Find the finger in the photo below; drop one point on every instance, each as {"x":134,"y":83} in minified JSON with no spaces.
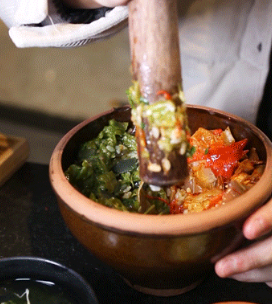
{"x":257,"y":255}
{"x":90,"y":4}
{"x":112,"y":3}
{"x":258,"y":275}
{"x":259,"y":223}
{"x":269,"y":284}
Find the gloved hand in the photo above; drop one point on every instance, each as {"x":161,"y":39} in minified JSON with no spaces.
{"x":38,"y":23}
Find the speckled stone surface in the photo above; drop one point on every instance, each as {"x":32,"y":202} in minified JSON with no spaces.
{"x":31,"y":225}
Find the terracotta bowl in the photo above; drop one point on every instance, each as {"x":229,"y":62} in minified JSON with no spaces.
{"x":161,"y":255}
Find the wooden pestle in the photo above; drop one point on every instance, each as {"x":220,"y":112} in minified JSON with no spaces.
{"x":155,"y":59}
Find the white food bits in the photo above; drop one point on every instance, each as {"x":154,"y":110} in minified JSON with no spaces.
{"x":168,"y":192}
{"x":110,"y":148}
{"x":180,"y":196}
{"x":163,"y":133}
{"x":166,"y":165}
{"x":176,"y":136}
{"x":127,"y":195}
{"x":155,"y":132}
{"x":155,"y":188}
{"x":127,"y":189}
{"x":148,"y":113}
{"x":170,"y":106}
{"x":154,"y":167}
{"x":183,"y":148}
{"x":118,"y":149}
{"x":229,"y":138}
{"x":139,"y":111}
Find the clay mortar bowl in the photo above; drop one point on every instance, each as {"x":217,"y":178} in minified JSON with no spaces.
{"x":167,"y":254}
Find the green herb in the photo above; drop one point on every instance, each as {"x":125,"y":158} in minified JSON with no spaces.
{"x":107,"y":170}
{"x":191,"y":150}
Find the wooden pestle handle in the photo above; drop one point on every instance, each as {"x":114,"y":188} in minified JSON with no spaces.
{"x":153,"y":30}
{"x":155,"y":59}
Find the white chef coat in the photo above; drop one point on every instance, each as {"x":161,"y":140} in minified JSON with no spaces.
{"x":225,"y":45}
{"x":225,"y":51}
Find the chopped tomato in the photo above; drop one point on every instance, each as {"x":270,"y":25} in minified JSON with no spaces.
{"x":198,"y":155}
{"x":216,"y":199}
{"x":217,"y":131}
{"x":224,"y":160}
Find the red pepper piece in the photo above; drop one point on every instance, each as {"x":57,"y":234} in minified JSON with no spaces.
{"x":217,"y":131}
{"x":215,"y":200}
{"x":224,"y":160}
{"x":157,"y":198}
{"x":165,"y":94}
{"x":198,"y":155}
{"x":175,"y":208}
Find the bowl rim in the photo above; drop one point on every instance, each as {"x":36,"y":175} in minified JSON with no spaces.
{"x":165,"y":225}
{"x":43,"y":269}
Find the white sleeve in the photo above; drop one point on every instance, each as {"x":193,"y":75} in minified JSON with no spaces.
{"x":225,"y":52}
{"x":36,"y":23}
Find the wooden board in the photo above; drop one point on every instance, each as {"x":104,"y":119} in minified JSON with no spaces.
{"x":14,"y":151}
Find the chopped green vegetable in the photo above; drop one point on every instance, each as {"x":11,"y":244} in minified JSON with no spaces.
{"x":125,"y":165}
{"x":107,"y":170}
{"x":191,"y":151}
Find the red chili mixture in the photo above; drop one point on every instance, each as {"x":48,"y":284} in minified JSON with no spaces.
{"x":220,"y":169}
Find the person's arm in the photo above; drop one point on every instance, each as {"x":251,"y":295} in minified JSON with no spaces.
{"x":55,"y":23}
{"x":254,"y":263}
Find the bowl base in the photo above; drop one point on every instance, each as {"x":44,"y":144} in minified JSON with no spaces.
{"x":163,"y":292}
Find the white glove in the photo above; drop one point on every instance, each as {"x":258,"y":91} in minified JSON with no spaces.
{"x":23,"y":16}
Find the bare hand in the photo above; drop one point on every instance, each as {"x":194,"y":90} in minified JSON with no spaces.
{"x":85,"y":4}
{"x":254,"y":263}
